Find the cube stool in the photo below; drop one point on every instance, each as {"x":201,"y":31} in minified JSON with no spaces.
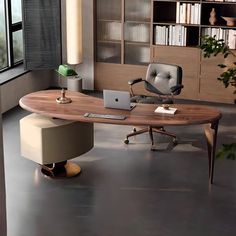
{"x":51,"y":142}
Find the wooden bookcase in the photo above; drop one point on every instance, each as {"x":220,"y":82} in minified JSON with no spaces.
{"x":132,"y":33}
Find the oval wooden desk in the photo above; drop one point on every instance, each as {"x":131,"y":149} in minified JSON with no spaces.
{"x":44,"y":103}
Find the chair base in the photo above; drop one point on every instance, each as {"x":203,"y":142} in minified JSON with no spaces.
{"x":63,"y":169}
{"x":150,"y":130}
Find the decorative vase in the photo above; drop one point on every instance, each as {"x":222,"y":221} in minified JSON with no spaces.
{"x":212,"y":18}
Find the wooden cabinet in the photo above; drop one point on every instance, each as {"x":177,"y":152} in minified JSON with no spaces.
{"x":212,"y":89}
{"x":176,"y":35}
{"x":116,"y":76}
{"x":123,"y":35}
{"x":132,"y":33}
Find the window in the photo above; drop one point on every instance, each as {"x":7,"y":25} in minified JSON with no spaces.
{"x":11,"y":38}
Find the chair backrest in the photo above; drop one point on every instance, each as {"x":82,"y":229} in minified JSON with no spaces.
{"x":162,"y":77}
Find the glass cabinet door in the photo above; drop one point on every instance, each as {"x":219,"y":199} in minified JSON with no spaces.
{"x":137,"y":31}
{"x":123,"y":31}
{"x":109,"y":30}
{"x":138,"y":10}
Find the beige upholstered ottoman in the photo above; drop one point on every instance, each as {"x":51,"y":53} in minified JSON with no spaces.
{"x":51,"y":142}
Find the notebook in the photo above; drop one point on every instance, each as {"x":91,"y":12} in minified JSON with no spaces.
{"x":117,"y":99}
{"x":162,"y":110}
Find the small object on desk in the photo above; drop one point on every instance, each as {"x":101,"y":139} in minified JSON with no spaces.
{"x":162,"y":110}
{"x":166,"y":106}
{"x":105,"y":116}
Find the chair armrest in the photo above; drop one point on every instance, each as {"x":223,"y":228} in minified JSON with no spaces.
{"x":176,"y":88}
{"x":135,"y":81}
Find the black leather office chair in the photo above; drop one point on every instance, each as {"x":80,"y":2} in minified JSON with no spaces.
{"x":165,"y":81}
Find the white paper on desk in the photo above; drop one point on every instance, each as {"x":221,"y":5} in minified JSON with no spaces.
{"x":170,"y":111}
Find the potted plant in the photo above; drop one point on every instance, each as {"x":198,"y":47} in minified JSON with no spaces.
{"x":212,"y":47}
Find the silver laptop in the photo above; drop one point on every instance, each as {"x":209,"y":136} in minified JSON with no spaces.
{"x":117,"y":99}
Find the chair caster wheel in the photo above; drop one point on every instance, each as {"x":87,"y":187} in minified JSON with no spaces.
{"x":175,"y":141}
{"x":126,"y":141}
{"x":134,"y":130}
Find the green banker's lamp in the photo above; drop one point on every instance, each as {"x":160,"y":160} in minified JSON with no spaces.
{"x":64,"y":70}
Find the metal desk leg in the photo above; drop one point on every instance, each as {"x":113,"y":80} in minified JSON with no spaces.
{"x":211,"y":136}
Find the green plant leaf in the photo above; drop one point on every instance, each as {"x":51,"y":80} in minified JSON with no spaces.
{"x":227,"y":151}
{"x":221,"y":65}
{"x":212,"y":47}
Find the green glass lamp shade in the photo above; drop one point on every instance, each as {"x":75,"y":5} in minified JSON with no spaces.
{"x":65,"y":70}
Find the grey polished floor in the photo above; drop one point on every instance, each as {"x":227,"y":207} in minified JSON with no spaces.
{"x":125,"y":189}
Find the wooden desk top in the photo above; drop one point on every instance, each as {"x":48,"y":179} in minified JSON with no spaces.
{"x":44,"y":102}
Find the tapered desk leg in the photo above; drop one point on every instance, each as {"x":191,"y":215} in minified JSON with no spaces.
{"x":211,"y":136}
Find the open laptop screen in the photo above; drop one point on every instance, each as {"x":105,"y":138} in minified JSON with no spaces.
{"x":117,"y":99}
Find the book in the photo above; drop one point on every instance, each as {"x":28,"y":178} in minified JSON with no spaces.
{"x":232,"y":39}
{"x":162,"y":110}
{"x":177,"y":12}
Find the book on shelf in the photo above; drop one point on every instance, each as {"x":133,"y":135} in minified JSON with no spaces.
{"x":228,"y":35}
{"x":199,"y":14}
{"x":162,"y":35}
{"x":177,"y":12}
{"x":170,"y":35}
{"x":232,"y":39}
{"x":188,"y":13}
{"x":192,"y":15}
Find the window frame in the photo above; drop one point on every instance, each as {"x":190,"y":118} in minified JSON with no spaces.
{"x":11,"y":28}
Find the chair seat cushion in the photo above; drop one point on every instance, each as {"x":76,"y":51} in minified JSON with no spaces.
{"x":146,"y":99}
{"x":150,"y":100}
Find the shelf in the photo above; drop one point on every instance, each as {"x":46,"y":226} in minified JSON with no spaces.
{"x":175,"y":35}
{"x":187,"y":1}
{"x":109,"y":41}
{"x":138,"y":22}
{"x":218,"y":26}
{"x":221,"y":9}
{"x":106,"y":20}
{"x":137,"y":43}
{"x":171,"y":46}
{"x":174,"y":23}
{"x":216,"y":2}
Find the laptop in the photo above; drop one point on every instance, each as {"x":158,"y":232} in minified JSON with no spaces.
{"x":117,"y":99}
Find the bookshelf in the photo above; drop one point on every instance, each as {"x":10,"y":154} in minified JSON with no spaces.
{"x":176,"y":35}
{"x":132,"y":33}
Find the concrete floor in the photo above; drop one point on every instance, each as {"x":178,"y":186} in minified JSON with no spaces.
{"x":125,"y":189}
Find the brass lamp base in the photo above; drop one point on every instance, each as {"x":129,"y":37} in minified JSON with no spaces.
{"x":61,"y":170}
{"x":63,"y":99}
